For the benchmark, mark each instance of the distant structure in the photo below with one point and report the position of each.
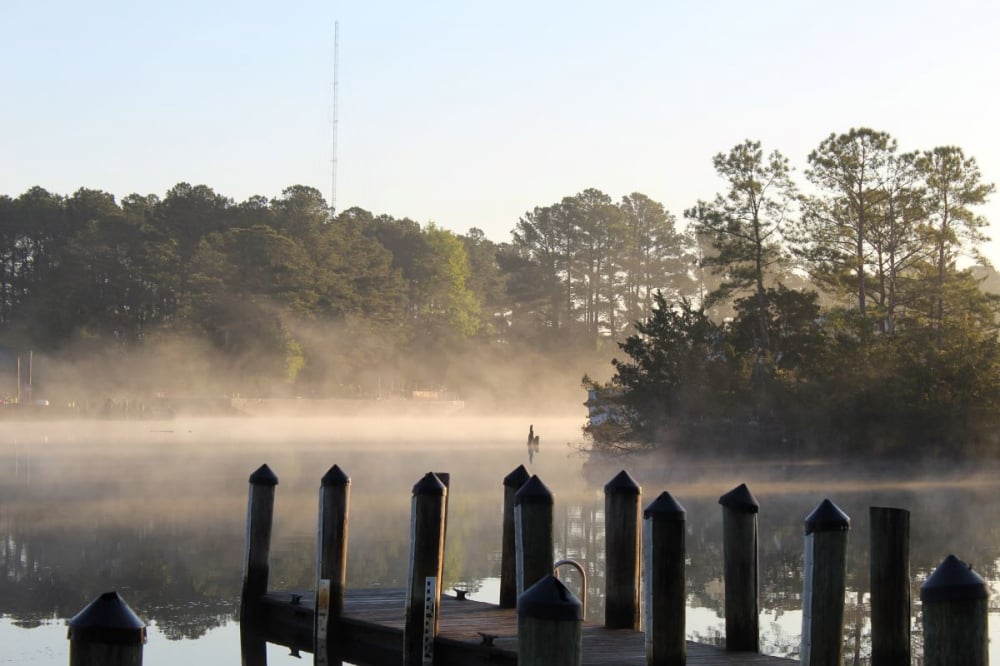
(336, 82)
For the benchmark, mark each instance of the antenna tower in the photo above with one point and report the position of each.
(336, 82)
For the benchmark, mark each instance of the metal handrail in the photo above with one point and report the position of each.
(583, 574)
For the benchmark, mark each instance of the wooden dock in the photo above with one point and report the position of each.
(370, 632)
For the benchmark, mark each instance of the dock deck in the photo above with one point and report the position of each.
(471, 632)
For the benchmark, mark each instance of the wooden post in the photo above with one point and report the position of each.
(533, 533)
(106, 633)
(549, 625)
(331, 560)
(253, 647)
(956, 609)
(622, 496)
(889, 569)
(663, 538)
(508, 564)
(260, 515)
(423, 594)
(740, 554)
(824, 579)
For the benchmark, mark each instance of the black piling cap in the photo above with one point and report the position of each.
(740, 499)
(953, 580)
(665, 507)
(827, 517)
(517, 478)
(429, 485)
(549, 599)
(622, 484)
(263, 477)
(107, 619)
(533, 492)
(335, 477)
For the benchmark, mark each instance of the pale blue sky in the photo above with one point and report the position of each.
(468, 113)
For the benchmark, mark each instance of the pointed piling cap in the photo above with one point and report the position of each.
(533, 492)
(827, 517)
(953, 580)
(740, 499)
(335, 477)
(430, 485)
(622, 484)
(107, 619)
(550, 599)
(263, 477)
(517, 478)
(666, 508)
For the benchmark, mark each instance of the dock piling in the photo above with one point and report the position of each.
(106, 633)
(664, 550)
(331, 560)
(423, 594)
(740, 569)
(622, 497)
(549, 625)
(824, 579)
(534, 544)
(260, 516)
(956, 610)
(508, 555)
(889, 570)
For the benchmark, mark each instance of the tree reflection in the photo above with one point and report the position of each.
(63, 544)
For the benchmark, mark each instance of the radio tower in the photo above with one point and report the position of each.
(333, 178)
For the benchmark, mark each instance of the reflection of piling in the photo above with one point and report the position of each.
(740, 555)
(423, 595)
(549, 625)
(508, 565)
(621, 518)
(331, 559)
(533, 505)
(889, 570)
(956, 607)
(824, 578)
(106, 633)
(664, 551)
(260, 515)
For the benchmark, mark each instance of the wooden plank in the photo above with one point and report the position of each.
(371, 633)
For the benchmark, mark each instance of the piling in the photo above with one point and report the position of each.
(956, 607)
(824, 580)
(423, 596)
(889, 570)
(622, 496)
(331, 560)
(549, 625)
(253, 647)
(534, 544)
(740, 569)
(260, 516)
(106, 633)
(508, 559)
(663, 537)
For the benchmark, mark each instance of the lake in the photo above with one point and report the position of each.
(156, 510)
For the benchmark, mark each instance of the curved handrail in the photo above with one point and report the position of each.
(583, 574)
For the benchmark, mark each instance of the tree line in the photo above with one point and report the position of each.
(281, 297)
(850, 311)
(893, 349)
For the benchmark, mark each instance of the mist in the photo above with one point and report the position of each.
(178, 374)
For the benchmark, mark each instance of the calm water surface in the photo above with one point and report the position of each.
(157, 510)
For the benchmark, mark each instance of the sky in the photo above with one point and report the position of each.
(468, 114)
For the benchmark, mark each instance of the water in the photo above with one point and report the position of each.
(156, 511)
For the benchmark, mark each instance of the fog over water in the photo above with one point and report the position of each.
(157, 509)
